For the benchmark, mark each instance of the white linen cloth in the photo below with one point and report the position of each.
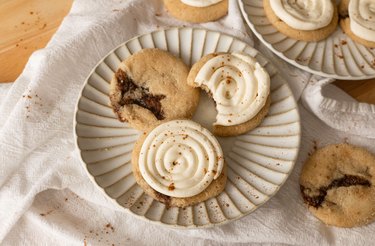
(46, 197)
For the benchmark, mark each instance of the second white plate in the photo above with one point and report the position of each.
(337, 57)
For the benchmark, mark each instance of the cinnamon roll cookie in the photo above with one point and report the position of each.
(306, 20)
(150, 87)
(197, 11)
(358, 20)
(179, 163)
(240, 87)
(337, 184)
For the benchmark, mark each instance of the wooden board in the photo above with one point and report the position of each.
(27, 25)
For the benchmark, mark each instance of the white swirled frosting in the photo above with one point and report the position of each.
(362, 18)
(200, 3)
(305, 15)
(180, 158)
(238, 84)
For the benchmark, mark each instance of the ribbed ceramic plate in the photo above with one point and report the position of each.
(337, 57)
(258, 162)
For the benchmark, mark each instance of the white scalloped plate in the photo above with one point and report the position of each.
(337, 57)
(258, 162)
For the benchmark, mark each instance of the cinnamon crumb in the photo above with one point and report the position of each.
(315, 146)
(110, 227)
(46, 213)
(171, 187)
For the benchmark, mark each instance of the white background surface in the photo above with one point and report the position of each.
(47, 199)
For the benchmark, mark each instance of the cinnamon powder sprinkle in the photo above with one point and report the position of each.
(171, 187)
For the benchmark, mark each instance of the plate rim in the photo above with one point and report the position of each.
(158, 222)
(293, 62)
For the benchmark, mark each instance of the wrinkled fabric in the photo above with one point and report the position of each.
(46, 197)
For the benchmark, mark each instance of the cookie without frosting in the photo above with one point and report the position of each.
(303, 35)
(337, 184)
(150, 87)
(193, 14)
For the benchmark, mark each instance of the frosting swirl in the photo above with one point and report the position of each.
(238, 84)
(362, 18)
(180, 158)
(305, 15)
(200, 3)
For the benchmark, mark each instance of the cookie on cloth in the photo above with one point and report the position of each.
(197, 11)
(358, 21)
(240, 87)
(337, 184)
(179, 163)
(303, 20)
(150, 87)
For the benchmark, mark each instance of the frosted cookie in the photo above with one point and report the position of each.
(179, 163)
(304, 20)
(240, 87)
(358, 20)
(150, 87)
(337, 185)
(197, 11)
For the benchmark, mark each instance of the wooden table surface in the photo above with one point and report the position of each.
(27, 25)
